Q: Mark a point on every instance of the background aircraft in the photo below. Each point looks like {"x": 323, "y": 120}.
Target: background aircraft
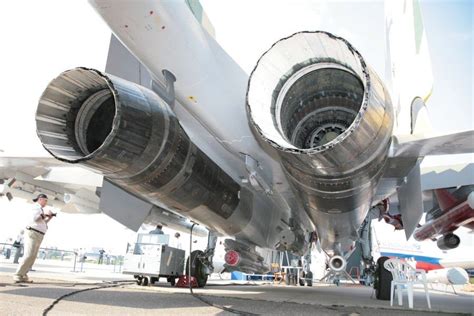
{"x": 454, "y": 209}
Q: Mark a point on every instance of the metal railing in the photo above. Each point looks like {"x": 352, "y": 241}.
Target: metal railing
{"x": 115, "y": 261}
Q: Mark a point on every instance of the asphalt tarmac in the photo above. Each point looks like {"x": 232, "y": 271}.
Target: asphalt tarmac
{"x": 61, "y": 293}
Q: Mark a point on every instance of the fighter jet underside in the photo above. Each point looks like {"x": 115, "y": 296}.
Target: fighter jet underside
{"x": 298, "y": 152}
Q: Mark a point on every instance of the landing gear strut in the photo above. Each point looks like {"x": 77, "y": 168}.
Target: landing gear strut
{"x": 199, "y": 263}
{"x": 198, "y": 269}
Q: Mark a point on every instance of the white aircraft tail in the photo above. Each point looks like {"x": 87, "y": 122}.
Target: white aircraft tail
{"x": 408, "y": 66}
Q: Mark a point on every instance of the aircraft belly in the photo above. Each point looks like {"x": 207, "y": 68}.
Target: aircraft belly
{"x": 210, "y": 89}
{"x": 209, "y": 85}
{"x": 305, "y": 145}
{"x": 338, "y": 231}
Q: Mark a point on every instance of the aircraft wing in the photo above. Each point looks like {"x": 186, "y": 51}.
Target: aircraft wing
{"x": 404, "y": 157}
{"x": 76, "y": 190}
{"x": 447, "y": 176}
{"x": 69, "y": 188}
{"x": 437, "y": 177}
{"x": 413, "y": 146}
{"x": 431, "y": 178}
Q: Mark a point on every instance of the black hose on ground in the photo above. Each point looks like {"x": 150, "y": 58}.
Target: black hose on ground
{"x": 107, "y": 285}
{"x": 119, "y": 283}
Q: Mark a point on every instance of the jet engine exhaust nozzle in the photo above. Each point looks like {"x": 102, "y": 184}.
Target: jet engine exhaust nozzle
{"x": 127, "y": 133}
{"x": 313, "y": 98}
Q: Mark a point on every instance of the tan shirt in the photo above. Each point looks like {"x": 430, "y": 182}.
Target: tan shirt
{"x": 38, "y": 222}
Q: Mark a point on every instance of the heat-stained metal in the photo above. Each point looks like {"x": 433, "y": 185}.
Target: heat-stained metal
{"x": 130, "y": 135}
{"x": 314, "y": 99}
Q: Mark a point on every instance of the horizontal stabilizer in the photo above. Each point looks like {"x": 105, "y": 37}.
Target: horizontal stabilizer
{"x": 454, "y": 175}
{"x": 412, "y": 146}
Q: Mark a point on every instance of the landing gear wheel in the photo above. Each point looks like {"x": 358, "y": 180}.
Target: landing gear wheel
{"x": 301, "y": 281}
{"x": 172, "y": 281}
{"x": 383, "y": 280}
{"x": 145, "y": 281}
{"x": 309, "y": 278}
{"x": 139, "y": 280}
{"x": 198, "y": 270}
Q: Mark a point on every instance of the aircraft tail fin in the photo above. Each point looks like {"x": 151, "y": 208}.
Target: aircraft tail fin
{"x": 408, "y": 63}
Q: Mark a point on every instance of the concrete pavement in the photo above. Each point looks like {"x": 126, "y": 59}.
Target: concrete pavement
{"x": 126, "y": 298}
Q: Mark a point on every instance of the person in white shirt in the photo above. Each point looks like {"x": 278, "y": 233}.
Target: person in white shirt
{"x": 34, "y": 234}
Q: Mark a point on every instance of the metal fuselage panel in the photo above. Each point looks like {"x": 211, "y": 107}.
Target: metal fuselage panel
{"x": 211, "y": 87}
{"x": 209, "y": 84}
{"x": 210, "y": 91}
{"x": 127, "y": 133}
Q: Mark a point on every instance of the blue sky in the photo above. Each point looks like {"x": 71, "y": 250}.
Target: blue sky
{"x": 247, "y": 28}
{"x": 449, "y": 28}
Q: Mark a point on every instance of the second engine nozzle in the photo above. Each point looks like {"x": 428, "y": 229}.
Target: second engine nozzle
{"x": 313, "y": 98}
{"x": 131, "y": 136}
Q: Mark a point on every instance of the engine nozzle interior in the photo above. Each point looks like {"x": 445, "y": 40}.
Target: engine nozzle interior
{"x": 93, "y": 122}
{"x": 318, "y": 105}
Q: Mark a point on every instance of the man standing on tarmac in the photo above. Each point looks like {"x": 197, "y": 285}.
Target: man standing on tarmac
{"x": 34, "y": 234}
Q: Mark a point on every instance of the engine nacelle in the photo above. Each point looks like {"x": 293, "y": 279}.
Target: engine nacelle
{"x": 313, "y": 98}
{"x": 130, "y": 135}
{"x": 448, "y": 241}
